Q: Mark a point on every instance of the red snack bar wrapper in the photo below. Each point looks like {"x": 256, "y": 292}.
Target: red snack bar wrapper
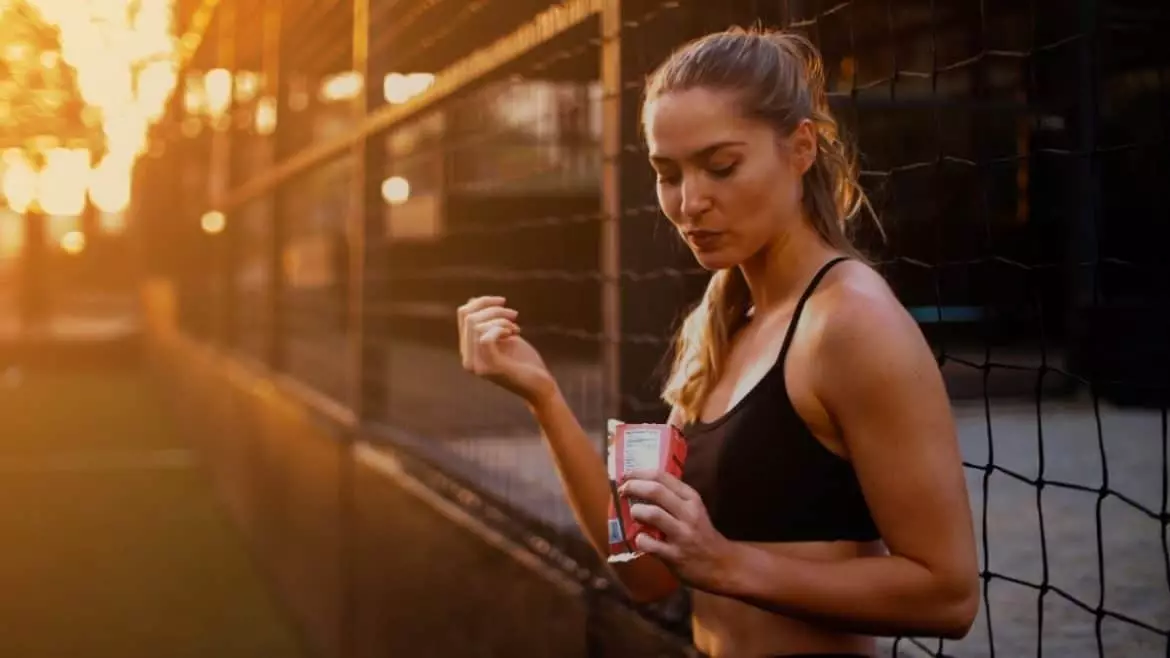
{"x": 637, "y": 447}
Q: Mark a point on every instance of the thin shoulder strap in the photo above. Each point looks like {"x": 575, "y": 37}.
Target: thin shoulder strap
{"x": 800, "y": 304}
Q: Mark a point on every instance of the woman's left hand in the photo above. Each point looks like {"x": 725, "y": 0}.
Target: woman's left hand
{"x": 697, "y": 553}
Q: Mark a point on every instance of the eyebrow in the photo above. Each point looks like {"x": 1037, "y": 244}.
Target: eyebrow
{"x": 704, "y": 152}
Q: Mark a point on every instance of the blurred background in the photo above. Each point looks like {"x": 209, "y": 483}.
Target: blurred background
{"x": 233, "y": 235}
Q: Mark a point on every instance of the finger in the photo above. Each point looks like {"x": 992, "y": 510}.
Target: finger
{"x": 490, "y": 313}
{"x": 659, "y": 518}
{"x": 655, "y": 493}
{"x": 494, "y": 335}
{"x": 496, "y": 331}
{"x": 504, "y": 323}
{"x": 467, "y": 320}
{"x": 479, "y": 322}
{"x": 472, "y": 305}
{"x": 466, "y": 340}
{"x": 657, "y": 547}
{"x": 672, "y": 483}
{"x": 477, "y": 303}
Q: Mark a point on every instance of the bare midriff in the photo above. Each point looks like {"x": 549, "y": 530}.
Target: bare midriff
{"x": 727, "y": 628}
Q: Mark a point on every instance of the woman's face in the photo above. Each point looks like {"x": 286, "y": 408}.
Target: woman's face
{"x": 729, "y": 184}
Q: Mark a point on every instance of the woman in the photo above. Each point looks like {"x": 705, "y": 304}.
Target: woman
{"x": 823, "y": 500}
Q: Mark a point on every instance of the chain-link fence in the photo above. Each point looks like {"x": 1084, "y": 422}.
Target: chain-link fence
{"x": 393, "y": 158}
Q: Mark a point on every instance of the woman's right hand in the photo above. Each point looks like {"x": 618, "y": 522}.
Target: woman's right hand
{"x": 491, "y": 347}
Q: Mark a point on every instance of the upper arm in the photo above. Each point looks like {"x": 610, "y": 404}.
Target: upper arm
{"x": 879, "y": 382}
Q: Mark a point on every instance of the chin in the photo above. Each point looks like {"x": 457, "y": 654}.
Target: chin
{"x": 716, "y": 260}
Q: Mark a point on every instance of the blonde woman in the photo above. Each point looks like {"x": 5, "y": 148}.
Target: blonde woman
{"x": 823, "y": 501}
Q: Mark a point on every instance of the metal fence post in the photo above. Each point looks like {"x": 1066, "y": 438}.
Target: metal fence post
{"x": 610, "y": 261}
{"x": 1082, "y": 256}
{"x": 221, "y": 177}
{"x": 216, "y": 185}
{"x": 356, "y": 224}
{"x": 274, "y": 73}
{"x": 365, "y": 357}
{"x": 366, "y": 250}
{"x": 34, "y": 295}
{"x": 611, "y": 199}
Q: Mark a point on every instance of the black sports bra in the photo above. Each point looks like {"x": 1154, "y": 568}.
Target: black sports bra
{"x": 764, "y": 477}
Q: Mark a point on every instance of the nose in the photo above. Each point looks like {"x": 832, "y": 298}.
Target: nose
{"x": 695, "y": 199}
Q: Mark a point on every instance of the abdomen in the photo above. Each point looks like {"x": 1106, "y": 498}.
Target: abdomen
{"x": 726, "y": 627}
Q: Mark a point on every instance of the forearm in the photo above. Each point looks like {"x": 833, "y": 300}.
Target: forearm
{"x": 881, "y": 595}
{"x": 585, "y": 481}
{"x": 581, "y": 468}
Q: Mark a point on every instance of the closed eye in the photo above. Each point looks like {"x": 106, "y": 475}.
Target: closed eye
{"x": 670, "y": 178}
{"x": 724, "y": 172}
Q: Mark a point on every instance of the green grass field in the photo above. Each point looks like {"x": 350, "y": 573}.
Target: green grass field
{"x": 111, "y": 540}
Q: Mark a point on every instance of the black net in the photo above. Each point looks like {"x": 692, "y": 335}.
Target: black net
{"x": 251, "y": 271}
{"x": 316, "y": 91}
{"x": 1011, "y": 151}
{"x": 313, "y": 307}
{"x": 494, "y": 190}
{"x": 992, "y": 161}
{"x": 248, "y": 234}
{"x": 188, "y": 163}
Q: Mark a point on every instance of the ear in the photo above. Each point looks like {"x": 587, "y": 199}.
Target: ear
{"x": 802, "y": 144}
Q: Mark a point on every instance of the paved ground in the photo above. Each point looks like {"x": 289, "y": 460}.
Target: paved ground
{"x": 113, "y": 544}
{"x": 474, "y": 429}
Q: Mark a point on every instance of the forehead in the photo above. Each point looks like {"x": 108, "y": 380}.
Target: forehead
{"x": 681, "y": 123}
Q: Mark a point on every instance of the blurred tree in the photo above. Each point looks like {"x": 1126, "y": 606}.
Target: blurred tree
{"x": 40, "y": 104}
{"x": 40, "y": 109}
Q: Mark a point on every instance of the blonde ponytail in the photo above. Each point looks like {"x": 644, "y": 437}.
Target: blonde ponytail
{"x": 704, "y": 340}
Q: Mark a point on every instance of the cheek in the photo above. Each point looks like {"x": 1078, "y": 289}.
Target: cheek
{"x": 776, "y": 195}
{"x": 670, "y": 201}
{"x": 754, "y": 199}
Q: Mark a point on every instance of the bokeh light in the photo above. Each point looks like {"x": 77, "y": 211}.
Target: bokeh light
{"x": 213, "y": 222}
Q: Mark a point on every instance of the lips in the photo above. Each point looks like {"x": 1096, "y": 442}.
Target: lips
{"x": 703, "y": 239}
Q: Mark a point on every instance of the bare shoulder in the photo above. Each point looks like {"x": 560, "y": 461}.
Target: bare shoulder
{"x": 855, "y": 300}
{"x": 866, "y": 332}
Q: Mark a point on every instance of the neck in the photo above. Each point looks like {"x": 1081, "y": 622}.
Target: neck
{"x": 778, "y": 274}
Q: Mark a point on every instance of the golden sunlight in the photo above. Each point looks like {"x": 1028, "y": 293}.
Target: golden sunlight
{"x": 124, "y": 53}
